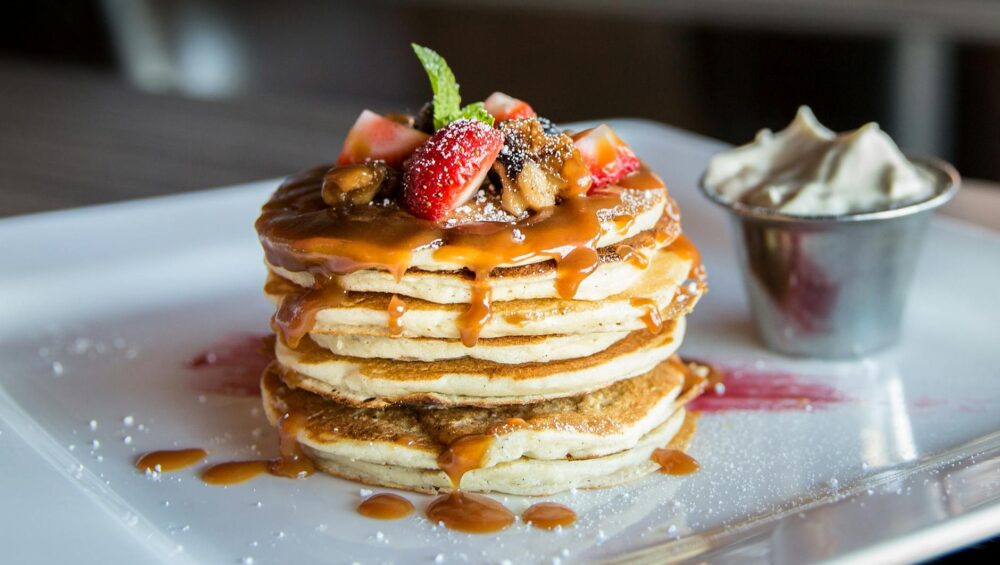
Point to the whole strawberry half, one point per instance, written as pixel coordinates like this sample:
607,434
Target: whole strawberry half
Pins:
503,107
607,157
374,137
446,171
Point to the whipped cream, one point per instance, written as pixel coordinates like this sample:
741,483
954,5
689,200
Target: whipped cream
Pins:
809,170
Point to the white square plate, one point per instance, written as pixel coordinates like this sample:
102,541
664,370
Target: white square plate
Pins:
103,307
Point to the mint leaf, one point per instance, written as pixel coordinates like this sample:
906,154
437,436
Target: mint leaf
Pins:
447,101
446,97
476,111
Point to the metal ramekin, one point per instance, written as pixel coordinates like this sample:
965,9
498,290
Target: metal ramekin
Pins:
832,286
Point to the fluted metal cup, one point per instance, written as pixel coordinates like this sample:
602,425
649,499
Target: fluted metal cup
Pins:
832,286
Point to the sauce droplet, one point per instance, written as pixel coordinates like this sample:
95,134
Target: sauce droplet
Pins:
548,515
470,513
168,460
233,472
396,310
674,461
385,506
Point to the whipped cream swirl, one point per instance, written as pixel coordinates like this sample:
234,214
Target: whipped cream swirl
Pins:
809,170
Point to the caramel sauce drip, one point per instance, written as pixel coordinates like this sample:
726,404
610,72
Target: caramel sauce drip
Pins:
674,461
633,256
296,315
623,223
300,232
166,461
385,506
577,265
407,440
233,472
396,310
470,513
463,455
472,321
292,462
683,248
651,315
548,515
457,510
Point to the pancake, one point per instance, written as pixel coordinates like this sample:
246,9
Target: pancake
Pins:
298,230
592,440
670,284
467,381
620,266
507,350
525,477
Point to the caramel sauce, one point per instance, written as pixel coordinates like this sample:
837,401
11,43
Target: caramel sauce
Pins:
518,319
633,256
470,513
623,223
516,422
297,313
573,268
548,515
651,315
166,461
396,310
683,248
642,179
457,510
471,322
463,455
385,506
300,232
233,472
292,462
674,461
407,440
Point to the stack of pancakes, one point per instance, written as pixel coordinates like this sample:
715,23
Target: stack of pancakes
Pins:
396,338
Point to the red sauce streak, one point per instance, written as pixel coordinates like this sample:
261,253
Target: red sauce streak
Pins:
766,391
233,365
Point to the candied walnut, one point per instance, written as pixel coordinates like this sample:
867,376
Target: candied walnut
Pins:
359,184
535,189
537,164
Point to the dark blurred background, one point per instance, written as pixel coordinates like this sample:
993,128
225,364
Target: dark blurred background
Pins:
927,71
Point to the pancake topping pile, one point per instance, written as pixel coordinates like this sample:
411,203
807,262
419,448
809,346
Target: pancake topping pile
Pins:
475,300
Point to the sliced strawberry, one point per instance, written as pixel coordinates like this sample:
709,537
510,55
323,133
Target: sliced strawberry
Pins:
606,155
374,137
446,171
503,107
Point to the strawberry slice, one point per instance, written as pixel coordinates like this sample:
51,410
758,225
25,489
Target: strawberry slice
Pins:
374,137
503,107
606,155
447,170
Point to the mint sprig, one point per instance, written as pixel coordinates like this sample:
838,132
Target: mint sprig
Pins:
447,101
